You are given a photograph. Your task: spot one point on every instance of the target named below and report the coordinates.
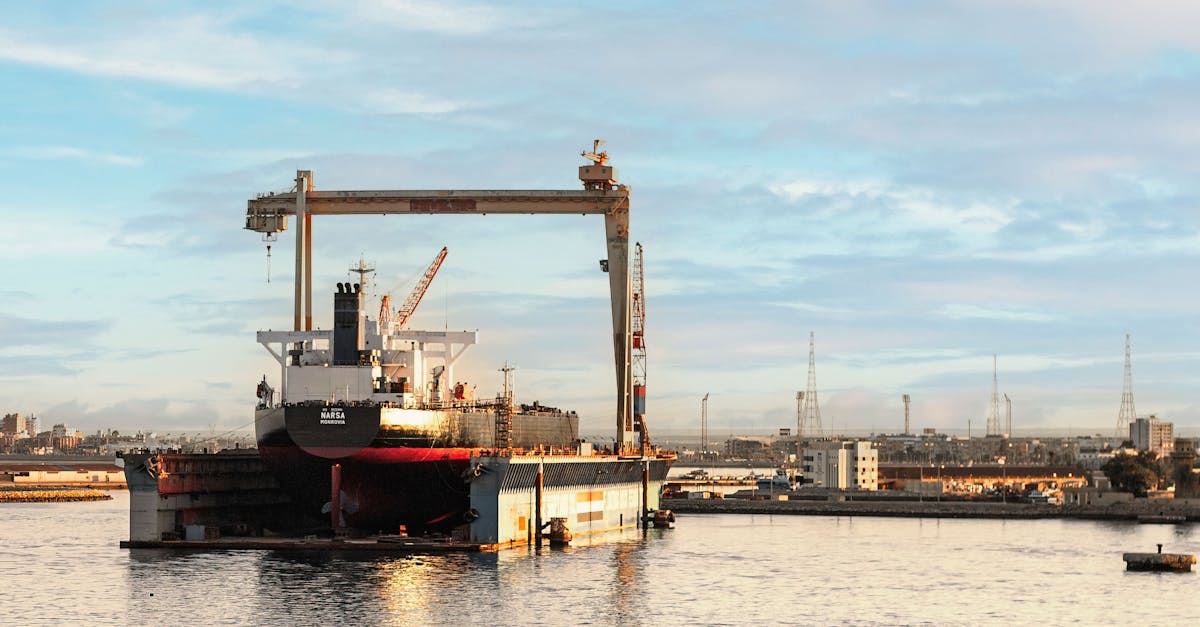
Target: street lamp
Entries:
(1004, 482)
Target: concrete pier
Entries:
(1164, 562)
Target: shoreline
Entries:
(64, 495)
(1190, 512)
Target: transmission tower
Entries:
(993, 419)
(1127, 414)
(810, 424)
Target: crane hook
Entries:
(267, 238)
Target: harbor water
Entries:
(64, 567)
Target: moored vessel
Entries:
(383, 402)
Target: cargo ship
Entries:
(383, 403)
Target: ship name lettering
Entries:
(333, 416)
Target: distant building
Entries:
(1183, 473)
(748, 447)
(1154, 435)
(16, 425)
(1084, 496)
(842, 465)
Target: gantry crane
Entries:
(601, 194)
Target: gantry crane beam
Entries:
(382, 202)
(268, 213)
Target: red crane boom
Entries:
(401, 316)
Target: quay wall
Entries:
(1189, 509)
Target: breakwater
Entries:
(44, 495)
(1190, 510)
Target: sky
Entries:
(922, 186)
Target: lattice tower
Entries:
(1127, 414)
(810, 424)
(704, 425)
(993, 419)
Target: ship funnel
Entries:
(347, 324)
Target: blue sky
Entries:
(922, 186)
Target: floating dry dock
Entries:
(1168, 562)
(229, 501)
(379, 544)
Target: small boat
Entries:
(664, 519)
(779, 482)
(560, 534)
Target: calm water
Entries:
(62, 565)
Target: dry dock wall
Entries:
(169, 492)
(595, 494)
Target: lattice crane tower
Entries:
(993, 418)
(638, 354)
(810, 424)
(1127, 414)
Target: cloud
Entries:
(957, 311)
(440, 17)
(19, 332)
(395, 101)
(196, 50)
(24, 366)
(69, 152)
(146, 414)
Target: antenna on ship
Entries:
(508, 386)
(504, 407)
(362, 269)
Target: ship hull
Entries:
(398, 467)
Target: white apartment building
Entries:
(842, 465)
(1152, 434)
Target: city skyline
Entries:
(920, 187)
